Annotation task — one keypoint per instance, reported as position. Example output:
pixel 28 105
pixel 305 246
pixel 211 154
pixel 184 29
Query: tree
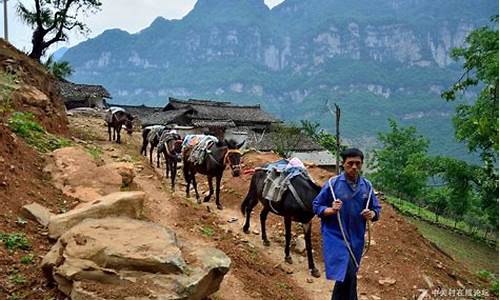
pixel 320 136
pixel 285 139
pixel 477 123
pixel 51 21
pixel 437 199
pixel 457 176
pixel 60 70
pixel 400 163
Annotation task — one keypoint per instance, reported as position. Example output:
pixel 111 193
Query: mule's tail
pixel 252 193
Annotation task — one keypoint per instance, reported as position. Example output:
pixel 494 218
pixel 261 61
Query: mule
pixel 297 208
pixel 145 131
pixel 153 138
pixel 218 156
pixel 170 145
pixel 116 118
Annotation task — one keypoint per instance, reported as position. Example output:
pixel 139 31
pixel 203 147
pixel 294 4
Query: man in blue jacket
pixel 346 195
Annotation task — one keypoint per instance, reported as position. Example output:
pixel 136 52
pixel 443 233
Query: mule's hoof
pixel 198 200
pixel 246 231
pixel 315 273
pixel 206 199
pixel 219 206
pixel 289 260
pixel 267 243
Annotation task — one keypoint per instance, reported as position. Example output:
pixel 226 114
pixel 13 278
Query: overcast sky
pixel 129 15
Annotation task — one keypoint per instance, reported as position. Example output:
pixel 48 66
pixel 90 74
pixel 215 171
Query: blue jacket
pixel 335 252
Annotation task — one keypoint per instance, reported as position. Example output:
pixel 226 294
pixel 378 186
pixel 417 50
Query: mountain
pixel 59 53
pixel 377 59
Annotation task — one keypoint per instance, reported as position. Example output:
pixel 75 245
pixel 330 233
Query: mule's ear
pixel 240 145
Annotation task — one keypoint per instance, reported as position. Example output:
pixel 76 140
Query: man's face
pixel 352 166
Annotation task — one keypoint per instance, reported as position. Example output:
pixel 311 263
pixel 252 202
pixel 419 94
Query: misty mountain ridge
pixel 377 59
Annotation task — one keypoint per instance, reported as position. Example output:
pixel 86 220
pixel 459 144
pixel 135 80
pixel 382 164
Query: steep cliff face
pixel 382 52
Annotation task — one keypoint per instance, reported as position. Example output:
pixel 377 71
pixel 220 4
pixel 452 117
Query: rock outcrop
pixel 123 258
pixel 127 204
pixel 77 174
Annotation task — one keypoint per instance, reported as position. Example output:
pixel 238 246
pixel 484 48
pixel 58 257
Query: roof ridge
pixel 202 102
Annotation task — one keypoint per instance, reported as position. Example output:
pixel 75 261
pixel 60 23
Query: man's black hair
pixel 352 152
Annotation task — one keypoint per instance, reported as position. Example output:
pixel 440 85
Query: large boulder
pixel 122 258
pixel 128 204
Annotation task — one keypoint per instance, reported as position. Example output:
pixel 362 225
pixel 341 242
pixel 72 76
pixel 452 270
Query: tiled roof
pixel 70 90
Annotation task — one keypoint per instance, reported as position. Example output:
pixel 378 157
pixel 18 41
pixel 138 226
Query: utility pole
pixel 5 23
pixel 337 123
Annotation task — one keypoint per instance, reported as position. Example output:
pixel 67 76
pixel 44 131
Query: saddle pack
pixel 196 146
pixel 278 177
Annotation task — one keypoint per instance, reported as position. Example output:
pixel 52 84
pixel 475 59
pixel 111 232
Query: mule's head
pixel 129 124
pixel 233 156
pixel 178 144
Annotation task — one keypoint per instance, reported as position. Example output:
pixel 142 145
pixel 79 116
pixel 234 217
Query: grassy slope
pixel 476 256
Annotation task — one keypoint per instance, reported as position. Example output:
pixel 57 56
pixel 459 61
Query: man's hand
pixel 329 211
pixel 368 214
pixel 336 205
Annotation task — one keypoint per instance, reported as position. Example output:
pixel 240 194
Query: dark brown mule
pixel 154 139
pixel 218 156
pixel 145 132
pixel 115 118
pixel 292 207
pixel 170 145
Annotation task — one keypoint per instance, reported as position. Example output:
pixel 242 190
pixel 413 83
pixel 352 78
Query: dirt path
pixel 165 208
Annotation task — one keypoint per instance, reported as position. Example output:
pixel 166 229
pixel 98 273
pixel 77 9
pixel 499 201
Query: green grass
pixel 13 241
pixel 410 209
pixel 207 231
pixel 476 256
pixel 27 259
pixel 17 279
pixel 7 86
pixel 25 126
pixel 95 152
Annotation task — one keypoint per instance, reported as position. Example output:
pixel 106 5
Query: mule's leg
pixel 167 168
pixel 167 164
pixel 151 154
pixel 210 189
pixel 173 167
pixel 288 238
pixel 251 203
pixel 118 136
pixel 310 259
pixel 144 146
pixel 109 131
pixel 263 217
pixel 158 157
pixel 218 179
pixel 185 171
pixel 195 187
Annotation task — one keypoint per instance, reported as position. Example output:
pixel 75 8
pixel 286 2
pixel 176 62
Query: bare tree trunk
pixel 38 44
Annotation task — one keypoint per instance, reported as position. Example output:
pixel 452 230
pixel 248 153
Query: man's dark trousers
pixel 347 290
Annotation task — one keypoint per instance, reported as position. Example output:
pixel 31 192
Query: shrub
pixel 13 241
pixel 25 126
